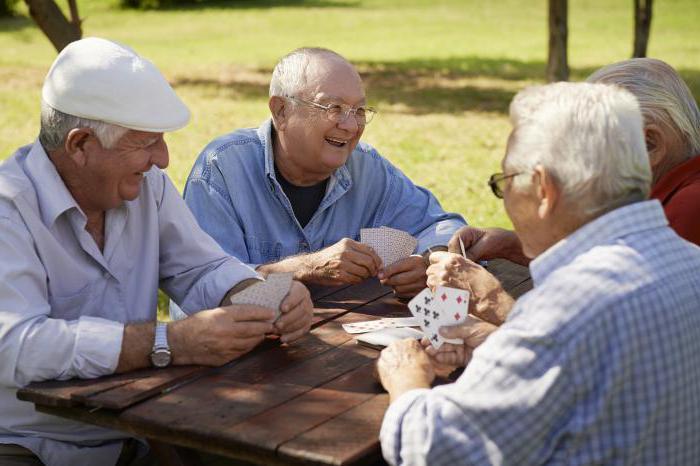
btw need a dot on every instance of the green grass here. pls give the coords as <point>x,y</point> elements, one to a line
<point>442,72</point>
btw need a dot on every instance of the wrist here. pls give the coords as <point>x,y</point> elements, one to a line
<point>178,341</point>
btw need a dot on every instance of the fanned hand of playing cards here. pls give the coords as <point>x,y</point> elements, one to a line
<point>447,306</point>
<point>391,245</point>
<point>268,293</point>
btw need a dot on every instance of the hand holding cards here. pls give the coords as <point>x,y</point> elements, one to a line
<point>447,306</point>
<point>269,293</point>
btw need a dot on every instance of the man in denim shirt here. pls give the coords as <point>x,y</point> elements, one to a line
<point>292,195</point>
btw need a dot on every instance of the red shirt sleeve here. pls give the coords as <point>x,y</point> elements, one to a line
<point>683,212</point>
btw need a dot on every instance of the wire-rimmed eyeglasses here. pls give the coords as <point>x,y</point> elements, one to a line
<point>497,182</point>
<point>337,113</point>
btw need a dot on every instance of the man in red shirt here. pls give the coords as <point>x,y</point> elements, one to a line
<point>672,134</point>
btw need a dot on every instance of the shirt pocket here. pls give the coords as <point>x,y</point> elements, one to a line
<point>74,305</point>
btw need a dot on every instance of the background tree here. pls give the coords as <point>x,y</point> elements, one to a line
<point>557,62</point>
<point>54,24</point>
<point>642,25</point>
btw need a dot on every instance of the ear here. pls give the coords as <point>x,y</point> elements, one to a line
<point>279,108</point>
<point>75,143</point>
<point>547,191</point>
<point>657,144</point>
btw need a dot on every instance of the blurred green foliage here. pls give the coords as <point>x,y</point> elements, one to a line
<point>7,7</point>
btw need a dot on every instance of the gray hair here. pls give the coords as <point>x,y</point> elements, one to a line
<point>55,126</point>
<point>663,97</point>
<point>289,76</point>
<point>588,136</point>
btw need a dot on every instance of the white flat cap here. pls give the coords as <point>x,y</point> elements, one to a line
<point>102,80</point>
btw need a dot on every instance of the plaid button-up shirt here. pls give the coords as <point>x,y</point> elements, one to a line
<point>599,364</point>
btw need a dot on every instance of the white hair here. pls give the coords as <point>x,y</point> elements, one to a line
<point>588,136</point>
<point>289,77</point>
<point>55,126</point>
<point>663,97</point>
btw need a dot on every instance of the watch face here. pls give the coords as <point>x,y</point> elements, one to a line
<point>160,358</point>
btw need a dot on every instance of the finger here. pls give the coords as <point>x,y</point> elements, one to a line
<point>247,312</point>
<point>251,329</point>
<point>438,256</point>
<point>365,260</point>
<point>408,277</point>
<point>403,265</point>
<point>294,319</point>
<point>297,294</point>
<point>353,267</point>
<point>370,253</point>
<point>409,290</point>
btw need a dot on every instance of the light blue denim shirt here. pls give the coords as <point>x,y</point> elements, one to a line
<point>64,302</point>
<point>234,194</point>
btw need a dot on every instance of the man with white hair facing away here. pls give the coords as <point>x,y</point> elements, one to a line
<point>90,228</point>
<point>293,194</point>
<point>672,136</point>
<point>598,363</point>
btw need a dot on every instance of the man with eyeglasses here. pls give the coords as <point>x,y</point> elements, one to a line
<point>598,363</point>
<point>293,194</point>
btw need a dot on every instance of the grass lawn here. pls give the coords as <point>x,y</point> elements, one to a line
<point>441,72</point>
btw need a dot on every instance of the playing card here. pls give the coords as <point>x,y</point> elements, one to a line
<point>378,324</point>
<point>424,307</point>
<point>454,307</point>
<point>381,338</point>
<point>269,293</point>
<point>391,245</point>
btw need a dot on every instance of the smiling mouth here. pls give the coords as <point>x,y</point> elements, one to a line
<point>336,142</point>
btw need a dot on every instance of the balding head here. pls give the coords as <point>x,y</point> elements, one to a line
<point>297,69</point>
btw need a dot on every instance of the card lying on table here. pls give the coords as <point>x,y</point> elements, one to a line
<point>381,338</point>
<point>269,293</point>
<point>378,324</point>
<point>446,307</point>
<point>391,245</point>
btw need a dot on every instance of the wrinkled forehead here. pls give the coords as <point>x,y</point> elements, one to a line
<point>333,80</point>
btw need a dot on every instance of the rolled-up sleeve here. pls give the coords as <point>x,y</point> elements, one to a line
<point>194,270</point>
<point>34,346</point>
<point>414,209</point>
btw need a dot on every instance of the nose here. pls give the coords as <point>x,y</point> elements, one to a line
<point>349,123</point>
<point>159,155</point>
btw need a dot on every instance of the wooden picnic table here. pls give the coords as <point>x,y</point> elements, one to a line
<point>315,401</point>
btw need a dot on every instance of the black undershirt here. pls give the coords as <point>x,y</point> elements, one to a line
<point>304,199</point>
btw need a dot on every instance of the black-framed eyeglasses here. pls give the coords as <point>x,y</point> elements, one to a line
<point>337,113</point>
<point>497,182</point>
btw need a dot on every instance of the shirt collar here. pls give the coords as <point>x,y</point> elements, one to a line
<point>52,194</point>
<point>341,175</point>
<point>671,181</point>
<point>605,229</point>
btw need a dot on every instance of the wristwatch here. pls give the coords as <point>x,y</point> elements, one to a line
<point>160,355</point>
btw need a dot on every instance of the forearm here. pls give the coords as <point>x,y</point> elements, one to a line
<point>302,266</point>
<point>513,250</point>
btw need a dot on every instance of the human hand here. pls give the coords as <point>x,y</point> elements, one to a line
<point>346,261</point>
<point>488,243</point>
<point>297,310</point>
<point>216,336</point>
<point>487,298</point>
<point>473,332</point>
<point>403,366</point>
<point>406,276</point>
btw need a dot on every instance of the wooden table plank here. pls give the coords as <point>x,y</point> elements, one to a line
<point>348,439</point>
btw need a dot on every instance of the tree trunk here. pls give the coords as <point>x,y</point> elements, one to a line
<point>557,62</point>
<point>50,19</point>
<point>642,24</point>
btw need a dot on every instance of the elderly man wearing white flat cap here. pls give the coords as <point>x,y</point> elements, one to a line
<point>90,228</point>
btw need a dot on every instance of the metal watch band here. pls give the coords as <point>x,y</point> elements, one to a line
<point>161,340</point>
